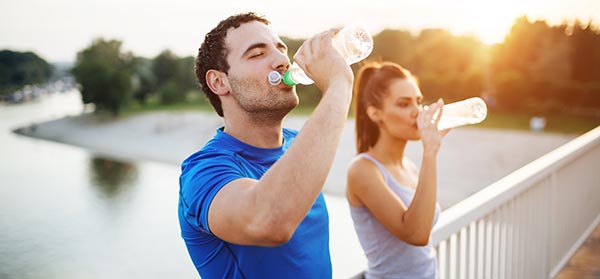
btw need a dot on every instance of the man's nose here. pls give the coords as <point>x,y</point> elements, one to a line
<point>281,61</point>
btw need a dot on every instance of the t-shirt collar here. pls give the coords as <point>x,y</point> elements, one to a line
<point>247,150</point>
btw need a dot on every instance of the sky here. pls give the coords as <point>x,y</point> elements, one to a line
<point>56,30</point>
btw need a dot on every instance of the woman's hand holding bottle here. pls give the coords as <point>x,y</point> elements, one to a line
<point>427,122</point>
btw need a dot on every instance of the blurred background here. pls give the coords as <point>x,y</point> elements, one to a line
<point>70,212</point>
<point>526,58</point>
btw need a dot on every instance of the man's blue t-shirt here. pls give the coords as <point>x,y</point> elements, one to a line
<point>222,160</point>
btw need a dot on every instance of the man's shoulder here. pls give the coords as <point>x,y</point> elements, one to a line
<point>214,149</point>
<point>208,155</point>
<point>210,168</point>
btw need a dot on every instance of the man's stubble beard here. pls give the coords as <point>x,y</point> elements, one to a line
<point>267,103</point>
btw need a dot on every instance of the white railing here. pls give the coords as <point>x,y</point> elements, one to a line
<point>529,223</point>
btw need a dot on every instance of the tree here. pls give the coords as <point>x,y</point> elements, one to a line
<point>544,69</point>
<point>144,82</point>
<point>586,60</point>
<point>165,67</point>
<point>585,39</point>
<point>524,73</point>
<point>18,69</point>
<point>187,77</point>
<point>394,45</point>
<point>174,76</point>
<point>105,75</point>
<point>447,66</point>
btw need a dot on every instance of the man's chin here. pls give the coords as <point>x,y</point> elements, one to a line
<point>288,109</point>
<point>294,103</point>
<point>282,110</point>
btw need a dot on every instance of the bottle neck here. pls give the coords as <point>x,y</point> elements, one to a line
<point>287,77</point>
<point>290,77</point>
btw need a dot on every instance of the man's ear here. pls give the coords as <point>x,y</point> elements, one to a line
<point>217,82</point>
<point>374,114</point>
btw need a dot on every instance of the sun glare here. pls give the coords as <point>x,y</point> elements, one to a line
<point>492,30</point>
<point>490,22</point>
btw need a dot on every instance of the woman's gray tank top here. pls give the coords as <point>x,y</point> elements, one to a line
<point>387,255</point>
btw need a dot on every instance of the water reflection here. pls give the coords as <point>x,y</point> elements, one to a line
<point>112,177</point>
<point>67,213</point>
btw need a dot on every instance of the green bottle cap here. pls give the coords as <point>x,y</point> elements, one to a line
<point>287,79</point>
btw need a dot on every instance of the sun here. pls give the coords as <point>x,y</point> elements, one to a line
<point>492,30</point>
<point>490,22</point>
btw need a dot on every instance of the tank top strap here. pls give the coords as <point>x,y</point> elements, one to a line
<point>380,166</point>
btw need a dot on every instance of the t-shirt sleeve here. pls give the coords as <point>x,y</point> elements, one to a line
<point>200,181</point>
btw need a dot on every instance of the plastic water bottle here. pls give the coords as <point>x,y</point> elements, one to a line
<point>353,43</point>
<point>469,111</point>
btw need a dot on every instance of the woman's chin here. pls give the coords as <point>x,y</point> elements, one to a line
<point>415,136</point>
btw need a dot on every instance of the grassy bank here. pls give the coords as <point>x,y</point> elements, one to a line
<point>564,124</point>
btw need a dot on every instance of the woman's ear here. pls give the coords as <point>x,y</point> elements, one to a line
<point>374,114</point>
<point>217,82</point>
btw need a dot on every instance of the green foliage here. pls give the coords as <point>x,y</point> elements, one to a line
<point>173,77</point>
<point>585,61</point>
<point>565,124</point>
<point>18,69</point>
<point>144,82</point>
<point>541,68</point>
<point>538,69</point>
<point>447,66</point>
<point>165,67</point>
<point>393,45</point>
<point>105,75</point>
<point>187,77</point>
<point>171,92</point>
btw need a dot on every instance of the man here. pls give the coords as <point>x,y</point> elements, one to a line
<point>250,200</point>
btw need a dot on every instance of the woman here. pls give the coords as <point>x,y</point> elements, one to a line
<point>392,203</point>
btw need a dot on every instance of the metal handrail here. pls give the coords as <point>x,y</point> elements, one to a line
<point>478,237</point>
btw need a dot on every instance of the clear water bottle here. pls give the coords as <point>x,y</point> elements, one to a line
<point>469,111</point>
<point>353,43</point>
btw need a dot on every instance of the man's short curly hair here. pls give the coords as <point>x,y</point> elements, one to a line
<point>212,54</point>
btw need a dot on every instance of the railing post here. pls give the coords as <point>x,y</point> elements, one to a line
<point>548,250</point>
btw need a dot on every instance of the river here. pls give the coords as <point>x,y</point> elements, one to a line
<point>67,213</point>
